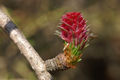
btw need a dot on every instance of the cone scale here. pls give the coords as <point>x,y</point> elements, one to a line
<point>75,34</point>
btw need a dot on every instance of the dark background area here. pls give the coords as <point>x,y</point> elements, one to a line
<point>38,19</point>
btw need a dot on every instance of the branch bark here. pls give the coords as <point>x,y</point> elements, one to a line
<point>58,63</point>
<point>24,46</point>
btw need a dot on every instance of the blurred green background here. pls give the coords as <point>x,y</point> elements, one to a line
<point>38,19</point>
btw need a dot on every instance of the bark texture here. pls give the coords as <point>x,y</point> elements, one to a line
<point>57,63</point>
<point>24,46</point>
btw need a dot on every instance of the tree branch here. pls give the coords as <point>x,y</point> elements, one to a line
<point>39,66</point>
<point>57,63</point>
<point>24,46</point>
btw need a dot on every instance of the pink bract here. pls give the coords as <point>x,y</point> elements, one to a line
<point>73,28</point>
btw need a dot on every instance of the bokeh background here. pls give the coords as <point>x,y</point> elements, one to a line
<point>38,19</point>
